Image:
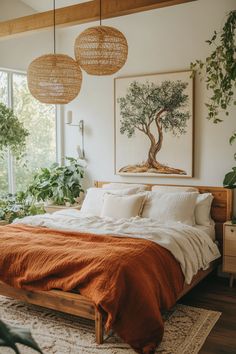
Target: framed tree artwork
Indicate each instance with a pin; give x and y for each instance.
(154, 125)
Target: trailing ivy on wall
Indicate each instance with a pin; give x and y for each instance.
(219, 71)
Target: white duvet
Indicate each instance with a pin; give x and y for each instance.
(191, 247)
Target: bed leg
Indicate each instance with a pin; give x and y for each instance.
(98, 327)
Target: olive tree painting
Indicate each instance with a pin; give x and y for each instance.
(154, 125)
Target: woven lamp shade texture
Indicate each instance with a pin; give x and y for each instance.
(54, 78)
(101, 50)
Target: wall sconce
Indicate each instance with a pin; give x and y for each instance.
(81, 129)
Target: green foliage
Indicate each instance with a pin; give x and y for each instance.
(10, 335)
(12, 133)
(60, 184)
(220, 69)
(230, 179)
(148, 103)
(18, 206)
(39, 119)
(232, 138)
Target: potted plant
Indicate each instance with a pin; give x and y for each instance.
(58, 185)
(219, 70)
(12, 133)
(17, 206)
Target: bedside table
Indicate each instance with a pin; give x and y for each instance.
(229, 250)
(52, 208)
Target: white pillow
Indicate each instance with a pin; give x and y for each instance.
(203, 209)
(93, 201)
(173, 189)
(119, 207)
(136, 187)
(169, 207)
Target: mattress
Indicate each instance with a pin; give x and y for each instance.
(191, 246)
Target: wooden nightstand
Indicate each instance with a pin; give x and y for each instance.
(229, 250)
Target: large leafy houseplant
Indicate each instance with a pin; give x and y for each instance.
(59, 184)
(219, 69)
(12, 133)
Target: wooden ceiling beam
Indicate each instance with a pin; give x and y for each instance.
(80, 13)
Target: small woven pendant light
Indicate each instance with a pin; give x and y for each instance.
(101, 50)
(54, 78)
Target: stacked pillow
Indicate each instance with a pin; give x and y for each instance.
(163, 203)
(202, 209)
(166, 207)
(119, 186)
(122, 206)
(95, 198)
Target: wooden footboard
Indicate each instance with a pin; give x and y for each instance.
(67, 302)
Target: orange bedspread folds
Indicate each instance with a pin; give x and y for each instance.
(130, 280)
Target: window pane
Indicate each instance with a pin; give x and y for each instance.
(3, 162)
(40, 120)
(3, 87)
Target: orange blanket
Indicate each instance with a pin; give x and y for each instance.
(130, 280)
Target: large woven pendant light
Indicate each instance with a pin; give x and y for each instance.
(101, 50)
(54, 78)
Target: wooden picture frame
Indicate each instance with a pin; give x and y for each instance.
(154, 125)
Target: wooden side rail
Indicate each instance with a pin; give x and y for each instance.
(67, 302)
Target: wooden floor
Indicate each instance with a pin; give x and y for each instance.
(214, 293)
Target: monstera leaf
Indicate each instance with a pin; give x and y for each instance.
(230, 179)
(10, 335)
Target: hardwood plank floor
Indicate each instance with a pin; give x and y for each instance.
(214, 293)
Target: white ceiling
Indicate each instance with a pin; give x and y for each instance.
(45, 5)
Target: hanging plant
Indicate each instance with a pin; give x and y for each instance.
(219, 70)
(12, 133)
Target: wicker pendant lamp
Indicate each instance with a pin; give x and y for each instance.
(101, 50)
(54, 78)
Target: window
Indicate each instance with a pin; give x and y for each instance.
(3, 162)
(40, 120)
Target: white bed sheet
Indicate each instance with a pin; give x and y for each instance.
(191, 246)
(209, 230)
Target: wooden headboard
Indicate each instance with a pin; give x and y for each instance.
(222, 206)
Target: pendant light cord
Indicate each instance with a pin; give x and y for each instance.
(100, 12)
(54, 26)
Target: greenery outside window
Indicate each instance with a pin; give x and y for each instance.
(41, 122)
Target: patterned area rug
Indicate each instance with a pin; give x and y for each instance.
(186, 329)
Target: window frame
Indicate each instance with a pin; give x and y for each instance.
(59, 113)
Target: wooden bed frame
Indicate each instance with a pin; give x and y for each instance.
(78, 305)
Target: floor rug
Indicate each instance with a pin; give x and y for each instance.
(186, 329)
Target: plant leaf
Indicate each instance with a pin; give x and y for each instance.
(10, 335)
(230, 179)
(232, 138)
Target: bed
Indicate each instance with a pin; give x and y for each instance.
(76, 304)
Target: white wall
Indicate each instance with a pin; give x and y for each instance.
(17, 53)
(160, 40)
(10, 9)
